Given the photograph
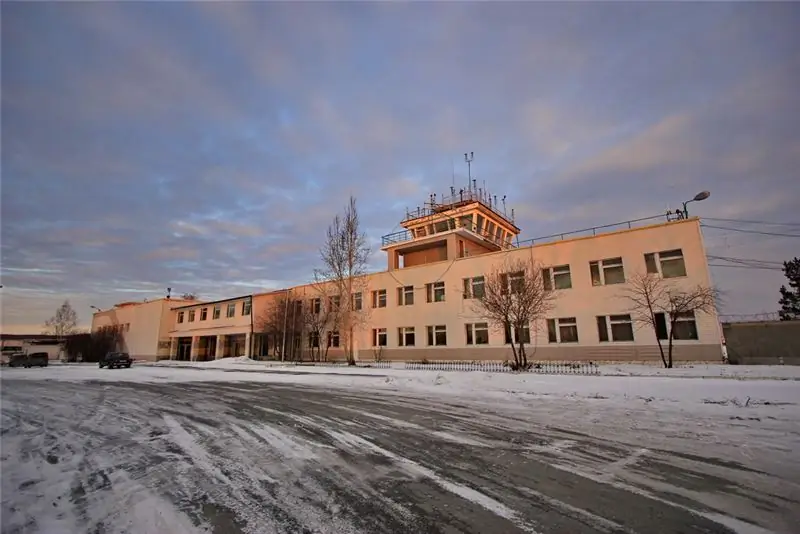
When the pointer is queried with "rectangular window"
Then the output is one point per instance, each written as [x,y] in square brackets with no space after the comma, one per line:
[191,316]
[357,301]
[685,327]
[477,333]
[489,229]
[479,226]
[405,336]
[313,340]
[621,328]
[316,306]
[435,292]
[562,330]
[247,307]
[667,263]
[217,310]
[474,287]
[405,296]
[379,298]
[522,334]
[231,311]
[437,335]
[204,314]
[516,281]
[378,337]
[661,325]
[558,277]
[607,272]
[334,302]
[333,338]
[180,316]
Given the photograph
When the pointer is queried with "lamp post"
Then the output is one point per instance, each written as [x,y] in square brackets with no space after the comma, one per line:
[702,195]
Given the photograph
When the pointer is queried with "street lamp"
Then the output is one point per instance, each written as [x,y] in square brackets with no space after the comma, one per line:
[702,195]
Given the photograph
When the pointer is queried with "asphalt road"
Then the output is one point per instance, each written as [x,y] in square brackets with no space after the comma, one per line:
[249,457]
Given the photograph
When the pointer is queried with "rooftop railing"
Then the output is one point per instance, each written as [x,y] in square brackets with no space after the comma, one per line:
[460,198]
[406,235]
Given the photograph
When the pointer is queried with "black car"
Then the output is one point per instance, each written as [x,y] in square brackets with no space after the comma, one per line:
[39,359]
[115,359]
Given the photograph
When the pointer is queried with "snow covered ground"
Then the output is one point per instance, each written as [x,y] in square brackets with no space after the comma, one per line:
[165,449]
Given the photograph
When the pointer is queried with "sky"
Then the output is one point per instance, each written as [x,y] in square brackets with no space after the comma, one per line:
[206,146]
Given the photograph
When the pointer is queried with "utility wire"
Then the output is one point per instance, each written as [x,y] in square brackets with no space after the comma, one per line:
[743,221]
[728,258]
[749,231]
[763,268]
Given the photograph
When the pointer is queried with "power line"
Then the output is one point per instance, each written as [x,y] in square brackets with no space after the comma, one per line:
[749,231]
[728,258]
[743,221]
[763,268]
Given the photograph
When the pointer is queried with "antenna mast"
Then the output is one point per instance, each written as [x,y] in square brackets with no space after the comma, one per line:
[468,158]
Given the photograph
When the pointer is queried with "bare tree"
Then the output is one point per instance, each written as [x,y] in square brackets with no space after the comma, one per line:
[282,322]
[64,323]
[515,299]
[649,296]
[344,257]
[319,317]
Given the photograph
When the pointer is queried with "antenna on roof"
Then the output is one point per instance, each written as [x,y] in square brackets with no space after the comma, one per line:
[504,204]
[512,215]
[468,158]
[453,183]
[169,290]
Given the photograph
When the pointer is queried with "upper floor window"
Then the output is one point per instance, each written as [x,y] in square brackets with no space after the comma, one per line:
[180,316]
[216,312]
[621,328]
[333,338]
[316,305]
[558,277]
[379,298]
[437,335]
[513,281]
[477,333]
[405,296]
[247,307]
[434,292]
[607,272]
[333,302]
[231,311]
[204,314]
[357,301]
[562,330]
[667,263]
[191,316]
[474,287]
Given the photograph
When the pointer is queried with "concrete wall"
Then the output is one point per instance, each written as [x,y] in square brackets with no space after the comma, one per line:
[763,342]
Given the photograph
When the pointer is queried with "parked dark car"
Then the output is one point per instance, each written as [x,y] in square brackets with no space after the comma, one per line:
[115,359]
[39,359]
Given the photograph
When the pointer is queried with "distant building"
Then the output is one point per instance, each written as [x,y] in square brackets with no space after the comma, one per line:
[30,343]
[421,306]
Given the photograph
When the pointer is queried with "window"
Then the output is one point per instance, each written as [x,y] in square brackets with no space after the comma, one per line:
[661,325]
[357,301]
[405,296]
[435,292]
[333,338]
[313,340]
[247,307]
[520,335]
[474,287]
[562,330]
[477,334]
[607,272]
[437,335]
[191,316]
[621,328]
[479,227]
[670,262]
[204,314]
[379,298]
[216,312]
[378,337]
[557,277]
[515,281]
[316,306]
[405,336]
[685,327]
[127,327]
[333,302]
[231,311]
[180,316]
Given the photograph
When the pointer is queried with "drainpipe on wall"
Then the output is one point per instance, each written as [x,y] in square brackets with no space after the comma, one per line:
[252,311]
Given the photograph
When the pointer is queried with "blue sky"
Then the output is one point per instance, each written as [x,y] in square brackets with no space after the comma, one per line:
[206,146]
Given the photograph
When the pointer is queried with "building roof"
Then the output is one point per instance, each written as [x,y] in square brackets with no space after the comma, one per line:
[29,337]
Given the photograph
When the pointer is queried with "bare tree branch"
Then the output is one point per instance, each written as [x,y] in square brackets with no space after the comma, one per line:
[63,323]
[514,299]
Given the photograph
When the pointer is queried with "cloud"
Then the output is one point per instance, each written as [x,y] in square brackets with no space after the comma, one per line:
[207,146]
